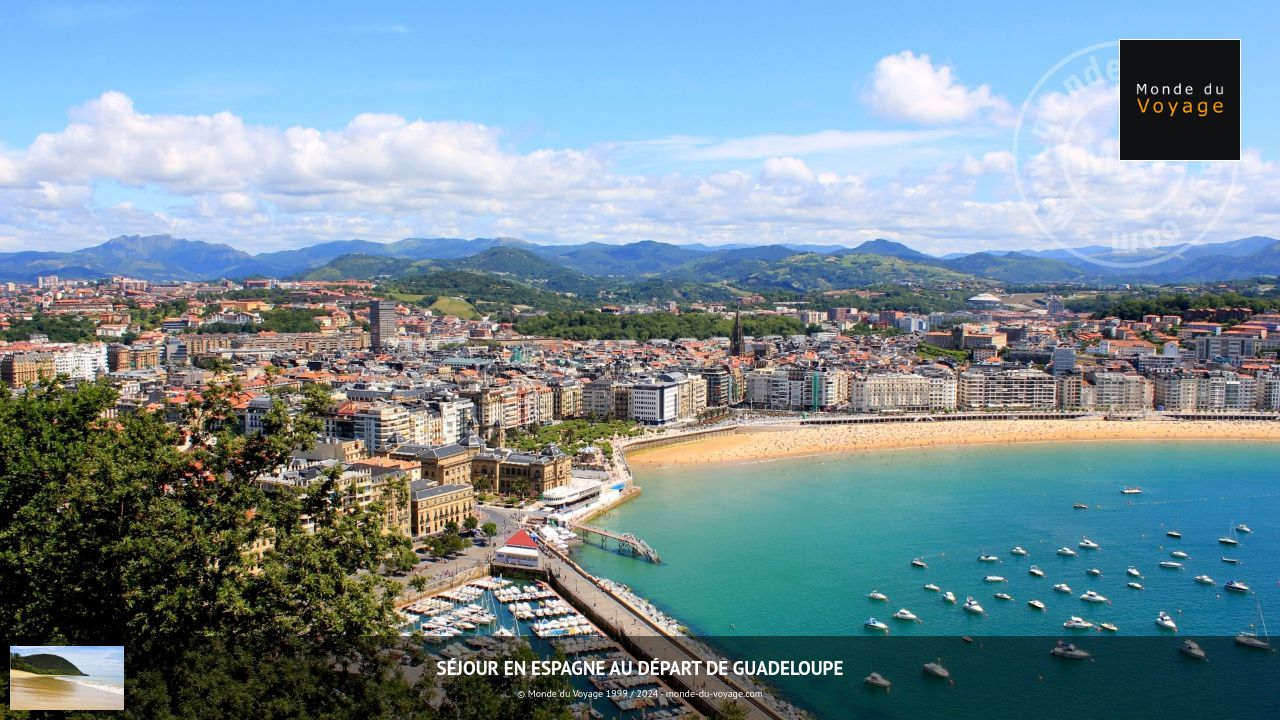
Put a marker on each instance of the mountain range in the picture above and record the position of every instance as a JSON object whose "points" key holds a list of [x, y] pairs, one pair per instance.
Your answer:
{"points": [[598, 266]]}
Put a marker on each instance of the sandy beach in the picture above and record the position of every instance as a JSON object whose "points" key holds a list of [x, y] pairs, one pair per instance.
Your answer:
{"points": [[754, 444], [28, 691]]}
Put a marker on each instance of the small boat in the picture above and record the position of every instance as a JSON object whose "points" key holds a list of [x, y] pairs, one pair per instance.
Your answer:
{"points": [[949, 596], [1080, 506], [877, 680], [1094, 572], [1191, 649], [971, 605], [1133, 572], [919, 562], [988, 558], [1251, 640], [1088, 544], [1109, 627], [1065, 649], [1018, 550], [1204, 579], [932, 588], [1062, 588], [877, 595], [1036, 571], [905, 614], [1003, 596], [875, 624], [994, 579], [1179, 554], [1127, 490], [1173, 534], [1077, 623], [937, 670], [1166, 622], [1230, 561], [1171, 565], [1135, 586], [1067, 552], [1236, 586], [1243, 528], [1091, 596], [966, 639], [1228, 541], [1036, 604]]}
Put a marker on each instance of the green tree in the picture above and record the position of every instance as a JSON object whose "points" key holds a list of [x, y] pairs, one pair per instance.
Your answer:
{"points": [[470, 523]]}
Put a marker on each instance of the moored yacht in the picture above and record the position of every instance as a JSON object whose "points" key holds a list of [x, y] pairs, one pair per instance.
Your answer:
{"points": [[1065, 649], [1036, 604], [1228, 540], [1018, 550], [1204, 579], [1003, 596], [1179, 554], [1134, 490], [1091, 596], [931, 587], [1133, 572], [1088, 544], [1036, 571], [1135, 586], [1249, 639], [905, 614], [1173, 534], [877, 595], [1109, 627], [937, 670], [994, 579], [971, 605], [1230, 561], [1243, 528], [1080, 506], [1171, 565], [877, 680], [1077, 623], [1062, 588], [1095, 572], [1236, 586], [1191, 649], [949, 596], [1166, 622], [988, 558], [1066, 552], [875, 624], [919, 562]]}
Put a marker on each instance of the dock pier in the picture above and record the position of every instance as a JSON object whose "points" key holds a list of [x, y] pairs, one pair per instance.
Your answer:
{"points": [[638, 547]]}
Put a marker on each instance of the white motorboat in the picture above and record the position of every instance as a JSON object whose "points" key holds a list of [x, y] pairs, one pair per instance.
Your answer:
{"points": [[1062, 588], [1135, 586], [1091, 596], [1204, 580], [1067, 552], [1228, 541], [1133, 572], [875, 624], [1003, 596], [949, 596], [937, 670], [1166, 622], [1171, 565], [1109, 627], [919, 562], [1088, 544], [1243, 528], [1077, 623], [877, 680], [1134, 490], [1192, 649], [877, 595], [1036, 604], [1018, 550], [1080, 506], [905, 614], [1095, 572], [1173, 534], [1065, 649], [1230, 561], [1179, 554], [1236, 586], [1036, 571], [972, 606], [988, 558], [931, 587], [994, 579]]}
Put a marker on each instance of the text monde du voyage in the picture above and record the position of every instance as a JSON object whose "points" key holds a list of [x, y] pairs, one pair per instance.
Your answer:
{"points": [[1180, 99]]}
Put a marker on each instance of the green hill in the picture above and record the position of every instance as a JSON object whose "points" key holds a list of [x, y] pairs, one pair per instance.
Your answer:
{"points": [[43, 664], [813, 271]]}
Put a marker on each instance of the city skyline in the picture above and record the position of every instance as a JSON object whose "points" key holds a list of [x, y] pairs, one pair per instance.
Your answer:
{"points": [[427, 124]]}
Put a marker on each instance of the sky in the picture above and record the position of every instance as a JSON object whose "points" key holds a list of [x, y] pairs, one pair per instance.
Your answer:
{"points": [[274, 125], [90, 659]]}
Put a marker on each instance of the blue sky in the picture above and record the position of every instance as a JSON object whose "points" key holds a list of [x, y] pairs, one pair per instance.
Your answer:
{"points": [[622, 110], [90, 659]]}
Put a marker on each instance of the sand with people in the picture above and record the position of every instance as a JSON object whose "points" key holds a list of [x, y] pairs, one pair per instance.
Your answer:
{"points": [[763, 442]]}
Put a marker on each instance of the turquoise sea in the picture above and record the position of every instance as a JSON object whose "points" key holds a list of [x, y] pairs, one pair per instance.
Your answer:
{"points": [[791, 548]]}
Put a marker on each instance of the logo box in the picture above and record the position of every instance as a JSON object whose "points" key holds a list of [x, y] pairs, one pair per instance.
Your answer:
{"points": [[1180, 99]]}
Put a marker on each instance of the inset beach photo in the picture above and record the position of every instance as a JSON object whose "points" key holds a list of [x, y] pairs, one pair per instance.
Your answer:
{"points": [[66, 677]]}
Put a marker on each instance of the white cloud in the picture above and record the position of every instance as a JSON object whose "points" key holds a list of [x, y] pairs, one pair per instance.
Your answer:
{"points": [[907, 86]]}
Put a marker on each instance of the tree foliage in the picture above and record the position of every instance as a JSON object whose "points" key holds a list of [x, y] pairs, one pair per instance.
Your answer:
{"points": [[649, 326]]}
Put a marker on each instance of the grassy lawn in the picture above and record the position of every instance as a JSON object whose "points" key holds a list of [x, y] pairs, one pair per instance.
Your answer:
{"points": [[405, 297], [455, 307]]}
